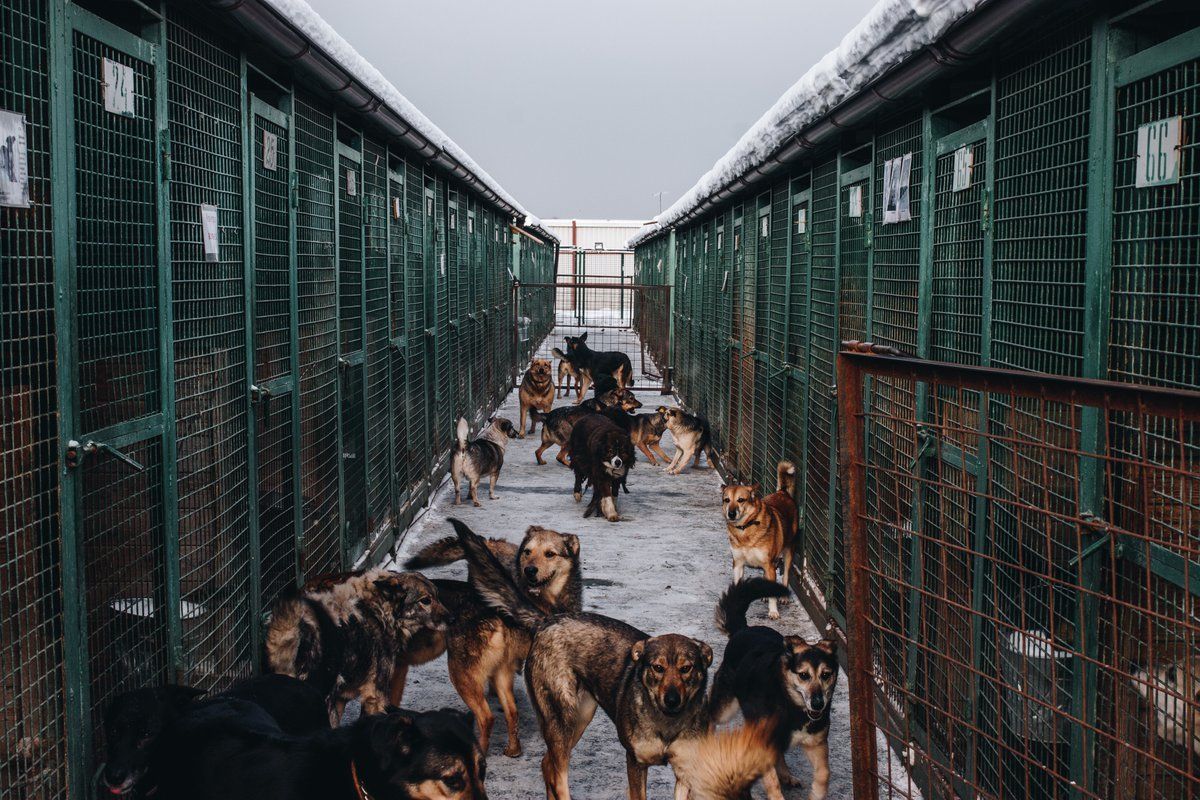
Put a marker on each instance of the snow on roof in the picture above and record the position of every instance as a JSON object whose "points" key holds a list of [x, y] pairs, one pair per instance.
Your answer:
{"points": [[300, 14], [889, 33]]}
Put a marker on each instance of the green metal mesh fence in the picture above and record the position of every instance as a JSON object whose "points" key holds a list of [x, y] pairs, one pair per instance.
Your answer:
{"points": [[209, 303], [33, 753], [316, 283], [376, 342]]}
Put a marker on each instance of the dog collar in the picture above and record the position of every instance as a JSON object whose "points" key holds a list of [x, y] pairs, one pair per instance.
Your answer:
{"points": [[361, 792], [747, 525]]}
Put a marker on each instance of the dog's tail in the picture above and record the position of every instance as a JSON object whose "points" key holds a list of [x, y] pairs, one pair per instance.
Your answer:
{"points": [[723, 765], [462, 431], [785, 477], [731, 608], [493, 581], [559, 354], [437, 554], [302, 641], [284, 634]]}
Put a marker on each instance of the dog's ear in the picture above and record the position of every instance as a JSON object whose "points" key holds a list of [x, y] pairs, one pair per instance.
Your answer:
{"points": [[755, 490], [398, 732], [705, 651], [827, 645], [179, 697], [572, 542], [795, 644], [583, 336], [636, 651]]}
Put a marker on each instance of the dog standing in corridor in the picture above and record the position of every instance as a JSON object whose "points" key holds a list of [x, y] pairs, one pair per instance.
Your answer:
{"points": [[692, 437], [558, 424], [762, 530], [591, 364], [483, 647], [601, 455], [351, 637], [537, 391], [652, 688], [480, 458], [783, 680]]}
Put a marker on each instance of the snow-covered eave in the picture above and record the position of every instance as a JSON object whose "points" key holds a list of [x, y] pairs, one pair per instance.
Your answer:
{"points": [[897, 48], [300, 37]]}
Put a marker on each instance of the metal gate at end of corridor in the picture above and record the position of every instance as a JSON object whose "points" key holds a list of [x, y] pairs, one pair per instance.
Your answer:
{"points": [[1024, 581], [617, 313]]}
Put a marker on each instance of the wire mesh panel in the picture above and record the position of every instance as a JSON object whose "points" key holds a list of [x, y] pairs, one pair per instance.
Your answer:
{"points": [[417, 320], [820, 405], [1155, 339], [209, 305], [1000, 613], [376, 344], [438, 307], [32, 698], [1041, 164], [894, 298], [274, 394], [119, 332], [397, 256], [350, 319], [316, 283], [457, 284], [796, 331]]}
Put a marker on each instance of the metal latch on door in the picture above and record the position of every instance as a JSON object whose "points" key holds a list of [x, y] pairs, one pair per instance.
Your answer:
{"points": [[76, 453]]}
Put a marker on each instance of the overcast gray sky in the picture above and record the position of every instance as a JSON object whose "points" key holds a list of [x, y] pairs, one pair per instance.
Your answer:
{"points": [[587, 109]]}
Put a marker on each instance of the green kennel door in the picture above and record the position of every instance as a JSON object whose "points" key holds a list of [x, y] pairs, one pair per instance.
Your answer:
{"points": [[117, 398], [273, 313], [351, 289]]}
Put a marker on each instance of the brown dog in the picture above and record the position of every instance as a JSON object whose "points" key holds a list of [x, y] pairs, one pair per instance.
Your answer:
{"points": [[485, 649], [537, 391], [762, 529], [349, 638]]}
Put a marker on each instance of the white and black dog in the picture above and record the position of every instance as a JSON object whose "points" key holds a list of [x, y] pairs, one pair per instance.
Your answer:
{"points": [[480, 458]]}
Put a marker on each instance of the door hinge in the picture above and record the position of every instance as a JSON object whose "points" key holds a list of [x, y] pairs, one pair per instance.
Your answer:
{"points": [[985, 210], [294, 189]]}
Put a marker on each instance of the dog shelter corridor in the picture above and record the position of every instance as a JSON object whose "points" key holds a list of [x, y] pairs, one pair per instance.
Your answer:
{"points": [[247, 290]]}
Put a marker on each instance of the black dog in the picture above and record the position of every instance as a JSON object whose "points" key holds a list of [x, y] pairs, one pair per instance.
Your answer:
{"points": [[230, 750], [781, 679], [135, 721], [601, 455], [594, 363]]}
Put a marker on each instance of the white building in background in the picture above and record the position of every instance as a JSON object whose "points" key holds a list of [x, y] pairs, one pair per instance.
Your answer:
{"points": [[593, 251]]}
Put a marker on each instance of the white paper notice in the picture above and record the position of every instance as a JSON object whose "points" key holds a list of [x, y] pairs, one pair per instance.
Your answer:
{"points": [[14, 161], [351, 183], [210, 229], [119, 94], [897, 180], [270, 151], [395, 208], [964, 160], [855, 198]]}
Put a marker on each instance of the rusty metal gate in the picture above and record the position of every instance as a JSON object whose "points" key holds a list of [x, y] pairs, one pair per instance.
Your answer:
{"points": [[1024, 619]]}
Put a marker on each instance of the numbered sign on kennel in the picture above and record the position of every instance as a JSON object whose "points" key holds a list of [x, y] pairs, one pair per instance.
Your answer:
{"points": [[118, 88], [1158, 153]]}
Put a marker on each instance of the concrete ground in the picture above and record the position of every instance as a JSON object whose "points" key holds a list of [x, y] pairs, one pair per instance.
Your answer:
{"points": [[661, 569]]}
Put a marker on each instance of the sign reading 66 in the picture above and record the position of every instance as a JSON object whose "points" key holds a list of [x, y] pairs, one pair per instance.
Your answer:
{"points": [[1158, 153]]}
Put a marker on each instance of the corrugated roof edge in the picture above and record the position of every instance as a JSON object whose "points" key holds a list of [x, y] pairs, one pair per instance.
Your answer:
{"points": [[892, 35], [315, 33]]}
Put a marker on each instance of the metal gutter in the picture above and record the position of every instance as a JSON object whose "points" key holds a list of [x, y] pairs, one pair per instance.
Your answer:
{"points": [[962, 43], [263, 24]]}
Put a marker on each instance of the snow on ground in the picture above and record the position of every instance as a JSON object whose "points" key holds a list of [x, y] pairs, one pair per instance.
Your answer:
{"points": [[661, 569], [890, 32]]}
